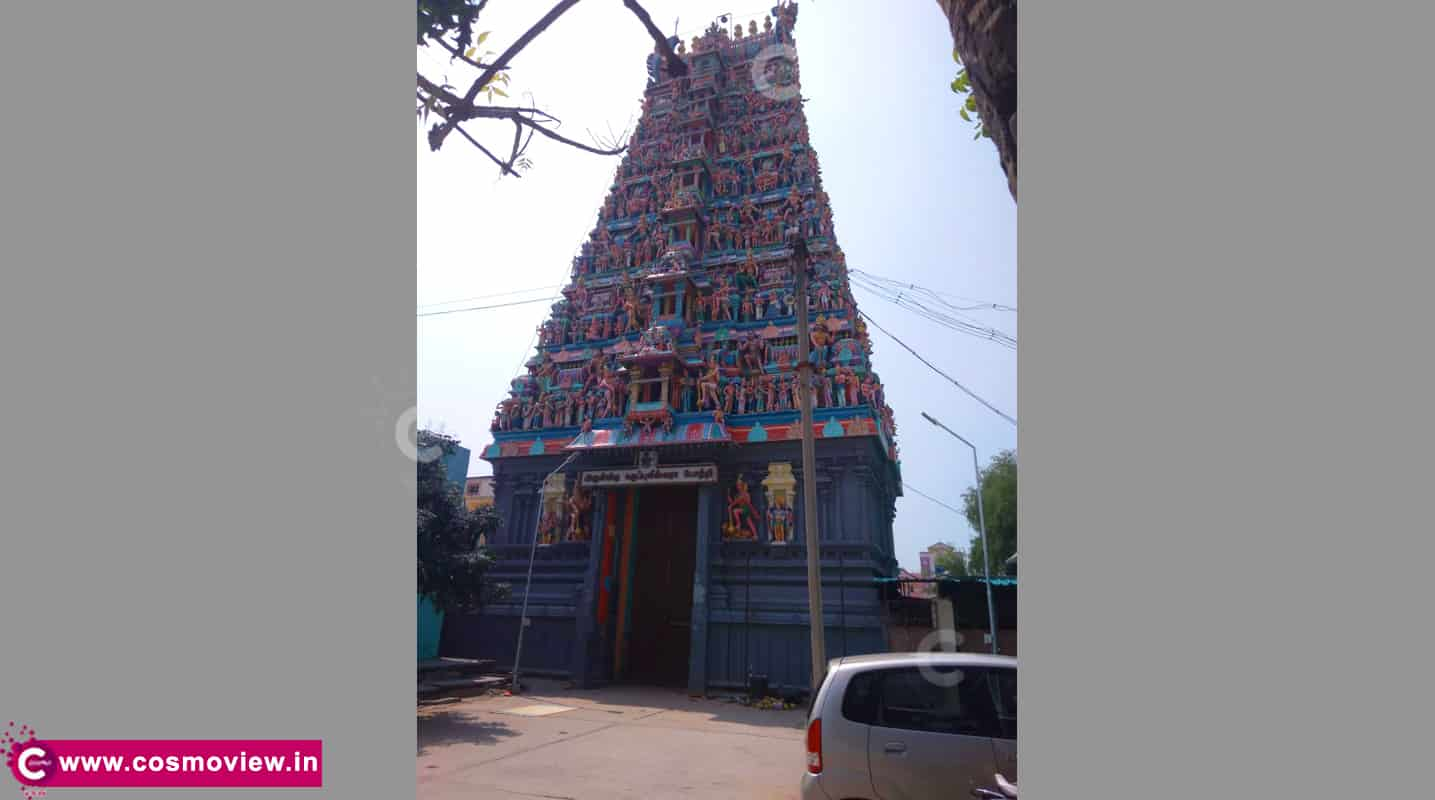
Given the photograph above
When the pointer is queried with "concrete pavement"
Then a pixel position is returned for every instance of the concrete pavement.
(615, 742)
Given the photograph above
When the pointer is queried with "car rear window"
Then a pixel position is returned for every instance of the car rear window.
(860, 702)
(966, 701)
(1004, 687)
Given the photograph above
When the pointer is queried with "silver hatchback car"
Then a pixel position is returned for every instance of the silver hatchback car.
(911, 726)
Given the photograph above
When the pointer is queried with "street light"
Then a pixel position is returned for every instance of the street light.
(982, 524)
(532, 554)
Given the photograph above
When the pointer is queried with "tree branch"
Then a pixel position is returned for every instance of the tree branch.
(465, 59)
(440, 132)
(460, 109)
(565, 140)
(454, 101)
(676, 65)
(508, 170)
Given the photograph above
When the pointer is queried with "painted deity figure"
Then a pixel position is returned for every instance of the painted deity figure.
(632, 310)
(548, 528)
(608, 394)
(854, 385)
(754, 355)
(747, 273)
(819, 338)
(742, 517)
(824, 296)
(708, 385)
(578, 504)
(779, 520)
(687, 391)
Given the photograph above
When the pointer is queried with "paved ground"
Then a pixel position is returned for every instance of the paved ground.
(615, 742)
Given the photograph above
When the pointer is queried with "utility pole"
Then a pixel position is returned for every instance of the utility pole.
(809, 467)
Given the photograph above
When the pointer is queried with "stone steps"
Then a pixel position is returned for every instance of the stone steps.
(445, 677)
(455, 666)
(460, 687)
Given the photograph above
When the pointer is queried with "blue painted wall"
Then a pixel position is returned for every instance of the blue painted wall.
(759, 622)
(430, 621)
(430, 626)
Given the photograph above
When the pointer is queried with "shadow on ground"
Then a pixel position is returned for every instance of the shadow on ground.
(718, 709)
(441, 726)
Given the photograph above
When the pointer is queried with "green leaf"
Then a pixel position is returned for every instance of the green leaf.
(481, 37)
(497, 91)
(954, 87)
(963, 112)
(469, 52)
(957, 57)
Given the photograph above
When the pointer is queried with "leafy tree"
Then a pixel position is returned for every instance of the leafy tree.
(954, 563)
(962, 84)
(449, 25)
(999, 505)
(452, 565)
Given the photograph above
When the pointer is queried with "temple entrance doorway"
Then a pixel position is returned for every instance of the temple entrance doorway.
(661, 605)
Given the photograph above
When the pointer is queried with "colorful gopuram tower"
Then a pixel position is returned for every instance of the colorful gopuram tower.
(671, 548)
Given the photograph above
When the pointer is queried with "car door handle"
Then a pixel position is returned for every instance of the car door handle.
(895, 747)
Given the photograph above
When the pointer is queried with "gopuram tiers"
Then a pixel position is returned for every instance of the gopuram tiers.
(679, 323)
(671, 548)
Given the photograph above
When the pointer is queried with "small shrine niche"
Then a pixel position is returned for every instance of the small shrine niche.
(653, 372)
(553, 496)
(780, 486)
(672, 291)
(579, 503)
(684, 233)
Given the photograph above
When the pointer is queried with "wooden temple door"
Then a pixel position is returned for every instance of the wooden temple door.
(664, 552)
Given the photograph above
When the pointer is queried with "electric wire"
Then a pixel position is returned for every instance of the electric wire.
(910, 488)
(484, 308)
(933, 367)
(981, 305)
(486, 296)
(955, 321)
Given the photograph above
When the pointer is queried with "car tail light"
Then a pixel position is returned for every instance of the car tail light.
(814, 747)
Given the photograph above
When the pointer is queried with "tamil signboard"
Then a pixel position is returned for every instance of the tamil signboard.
(675, 475)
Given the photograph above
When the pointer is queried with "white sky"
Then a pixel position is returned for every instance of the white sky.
(914, 199)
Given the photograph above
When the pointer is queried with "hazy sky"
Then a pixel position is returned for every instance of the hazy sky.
(914, 199)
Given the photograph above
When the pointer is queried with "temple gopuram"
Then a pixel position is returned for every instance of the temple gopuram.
(670, 549)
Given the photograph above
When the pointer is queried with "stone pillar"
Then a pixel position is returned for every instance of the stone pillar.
(698, 650)
(503, 490)
(584, 637)
(946, 624)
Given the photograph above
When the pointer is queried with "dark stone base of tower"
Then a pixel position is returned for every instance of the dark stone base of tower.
(671, 550)
(656, 595)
